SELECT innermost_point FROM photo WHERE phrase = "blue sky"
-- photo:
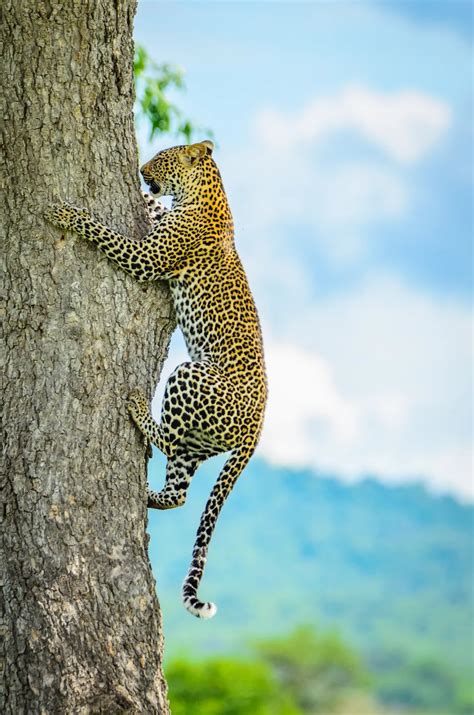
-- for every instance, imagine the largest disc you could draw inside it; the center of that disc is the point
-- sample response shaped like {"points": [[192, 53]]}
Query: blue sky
{"points": [[344, 137]]}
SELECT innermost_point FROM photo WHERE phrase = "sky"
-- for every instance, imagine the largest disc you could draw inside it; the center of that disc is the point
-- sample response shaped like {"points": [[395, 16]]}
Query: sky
{"points": [[343, 133]]}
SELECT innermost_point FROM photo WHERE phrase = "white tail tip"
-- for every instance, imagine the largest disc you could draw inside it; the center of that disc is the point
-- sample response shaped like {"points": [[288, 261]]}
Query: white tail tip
{"points": [[203, 610]]}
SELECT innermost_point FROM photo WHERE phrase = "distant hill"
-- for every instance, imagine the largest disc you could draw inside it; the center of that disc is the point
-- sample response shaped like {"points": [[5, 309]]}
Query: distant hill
{"points": [[389, 567]]}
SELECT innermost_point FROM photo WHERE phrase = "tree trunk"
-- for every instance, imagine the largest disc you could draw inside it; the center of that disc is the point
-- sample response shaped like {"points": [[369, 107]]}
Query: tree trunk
{"points": [[82, 628]]}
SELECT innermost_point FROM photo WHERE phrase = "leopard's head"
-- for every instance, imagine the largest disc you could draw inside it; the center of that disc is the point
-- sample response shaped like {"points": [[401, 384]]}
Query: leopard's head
{"points": [[175, 171]]}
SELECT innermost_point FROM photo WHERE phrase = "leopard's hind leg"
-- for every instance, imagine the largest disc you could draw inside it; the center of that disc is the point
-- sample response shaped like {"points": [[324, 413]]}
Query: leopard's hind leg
{"points": [[181, 463], [180, 469], [190, 429]]}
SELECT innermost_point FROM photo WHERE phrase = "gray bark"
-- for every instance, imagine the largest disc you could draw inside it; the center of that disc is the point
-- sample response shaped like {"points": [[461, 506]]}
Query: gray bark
{"points": [[81, 622]]}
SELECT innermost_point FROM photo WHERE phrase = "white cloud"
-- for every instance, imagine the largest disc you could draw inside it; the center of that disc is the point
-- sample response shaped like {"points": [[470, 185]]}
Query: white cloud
{"points": [[336, 201], [375, 381], [288, 174], [353, 192], [303, 401], [405, 125]]}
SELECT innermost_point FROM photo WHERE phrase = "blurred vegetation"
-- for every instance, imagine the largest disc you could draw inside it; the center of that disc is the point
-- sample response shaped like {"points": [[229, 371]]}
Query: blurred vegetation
{"points": [[301, 673], [311, 672], [225, 686], [318, 669], [422, 684], [153, 85]]}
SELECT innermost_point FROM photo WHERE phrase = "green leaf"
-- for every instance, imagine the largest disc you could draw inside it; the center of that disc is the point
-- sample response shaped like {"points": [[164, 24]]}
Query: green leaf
{"points": [[152, 83]]}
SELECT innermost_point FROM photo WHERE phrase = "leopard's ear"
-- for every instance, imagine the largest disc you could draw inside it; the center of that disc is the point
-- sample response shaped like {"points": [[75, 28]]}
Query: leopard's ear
{"points": [[209, 146], [194, 152]]}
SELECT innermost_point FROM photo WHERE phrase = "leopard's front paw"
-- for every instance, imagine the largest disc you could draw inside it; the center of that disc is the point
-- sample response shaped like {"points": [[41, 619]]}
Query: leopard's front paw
{"points": [[59, 215], [155, 209], [62, 214], [137, 406]]}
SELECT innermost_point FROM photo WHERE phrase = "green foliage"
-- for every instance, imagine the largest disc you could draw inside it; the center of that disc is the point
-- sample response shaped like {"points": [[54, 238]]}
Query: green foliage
{"points": [[465, 697], [225, 686], [303, 672], [153, 83], [309, 672], [423, 683], [318, 670]]}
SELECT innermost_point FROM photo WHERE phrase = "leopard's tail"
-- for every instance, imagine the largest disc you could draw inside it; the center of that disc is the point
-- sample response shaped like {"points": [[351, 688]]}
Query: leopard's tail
{"points": [[221, 490]]}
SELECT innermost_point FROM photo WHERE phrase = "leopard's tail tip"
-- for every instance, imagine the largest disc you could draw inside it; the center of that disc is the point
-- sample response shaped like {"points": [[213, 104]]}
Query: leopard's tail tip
{"points": [[199, 608]]}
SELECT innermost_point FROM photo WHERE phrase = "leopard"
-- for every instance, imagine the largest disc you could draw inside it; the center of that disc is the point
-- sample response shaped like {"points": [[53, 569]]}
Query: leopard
{"points": [[215, 402]]}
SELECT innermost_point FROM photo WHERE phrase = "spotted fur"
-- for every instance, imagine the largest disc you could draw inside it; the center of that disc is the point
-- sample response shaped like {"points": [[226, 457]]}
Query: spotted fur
{"points": [[215, 402]]}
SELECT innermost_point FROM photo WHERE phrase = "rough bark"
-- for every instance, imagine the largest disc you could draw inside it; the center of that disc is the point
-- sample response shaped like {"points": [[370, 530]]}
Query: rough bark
{"points": [[82, 628]]}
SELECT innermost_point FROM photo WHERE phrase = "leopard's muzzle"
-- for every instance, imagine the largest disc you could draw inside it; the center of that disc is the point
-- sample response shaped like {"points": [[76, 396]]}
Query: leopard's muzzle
{"points": [[154, 186]]}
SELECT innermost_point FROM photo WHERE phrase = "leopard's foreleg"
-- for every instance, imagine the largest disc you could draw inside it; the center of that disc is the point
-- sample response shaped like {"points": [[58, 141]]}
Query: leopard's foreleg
{"points": [[159, 255], [134, 257]]}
